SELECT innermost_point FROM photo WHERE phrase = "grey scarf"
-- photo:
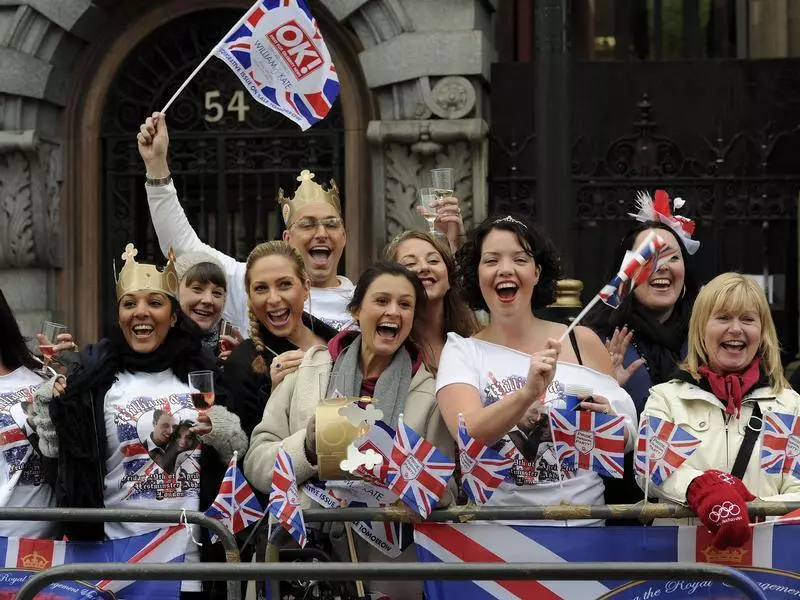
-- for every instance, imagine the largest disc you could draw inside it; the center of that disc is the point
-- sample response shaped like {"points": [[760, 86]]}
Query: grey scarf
{"points": [[391, 389]]}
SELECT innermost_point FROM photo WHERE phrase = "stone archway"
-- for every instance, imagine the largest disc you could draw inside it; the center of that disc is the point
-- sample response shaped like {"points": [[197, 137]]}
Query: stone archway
{"points": [[82, 199]]}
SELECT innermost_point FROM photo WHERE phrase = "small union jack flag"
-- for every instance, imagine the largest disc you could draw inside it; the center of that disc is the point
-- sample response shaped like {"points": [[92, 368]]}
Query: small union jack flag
{"points": [[780, 444], [637, 266], [589, 441], [235, 504], [418, 473], [279, 55], [482, 469], [669, 446], [284, 501]]}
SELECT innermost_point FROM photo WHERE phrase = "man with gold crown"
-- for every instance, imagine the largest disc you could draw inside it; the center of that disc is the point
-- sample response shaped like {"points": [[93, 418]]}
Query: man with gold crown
{"points": [[314, 227]]}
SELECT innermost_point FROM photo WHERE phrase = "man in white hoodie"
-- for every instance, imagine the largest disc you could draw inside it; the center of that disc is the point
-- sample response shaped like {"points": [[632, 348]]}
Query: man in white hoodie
{"points": [[314, 227]]}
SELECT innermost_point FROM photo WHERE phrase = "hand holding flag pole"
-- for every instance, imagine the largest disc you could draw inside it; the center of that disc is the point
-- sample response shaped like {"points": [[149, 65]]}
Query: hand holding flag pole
{"points": [[637, 266]]}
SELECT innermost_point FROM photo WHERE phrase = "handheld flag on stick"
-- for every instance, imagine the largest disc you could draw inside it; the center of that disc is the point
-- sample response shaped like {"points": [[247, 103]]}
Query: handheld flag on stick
{"points": [[418, 473], [284, 500], [235, 503], [278, 53], [590, 441], [663, 450], [482, 469], [780, 444], [637, 266]]}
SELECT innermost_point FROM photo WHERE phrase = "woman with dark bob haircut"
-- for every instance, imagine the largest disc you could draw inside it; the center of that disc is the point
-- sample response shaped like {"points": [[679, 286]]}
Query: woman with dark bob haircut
{"points": [[503, 380]]}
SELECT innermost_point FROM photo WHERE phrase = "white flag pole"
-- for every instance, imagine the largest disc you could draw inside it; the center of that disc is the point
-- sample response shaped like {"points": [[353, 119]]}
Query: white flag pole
{"points": [[208, 57], [646, 459], [233, 495], [576, 321]]}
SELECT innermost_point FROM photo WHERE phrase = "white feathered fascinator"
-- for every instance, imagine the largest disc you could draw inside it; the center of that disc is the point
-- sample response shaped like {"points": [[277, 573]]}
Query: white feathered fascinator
{"points": [[659, 210]]}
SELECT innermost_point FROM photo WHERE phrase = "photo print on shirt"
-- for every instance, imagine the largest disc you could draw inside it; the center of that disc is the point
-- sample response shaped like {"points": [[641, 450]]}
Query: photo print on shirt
{"points": [[161, 453], [18, 439]]}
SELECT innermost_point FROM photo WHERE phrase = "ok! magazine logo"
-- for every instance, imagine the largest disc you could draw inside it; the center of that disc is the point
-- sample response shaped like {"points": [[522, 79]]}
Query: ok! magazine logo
{"points": [[296, 48]]}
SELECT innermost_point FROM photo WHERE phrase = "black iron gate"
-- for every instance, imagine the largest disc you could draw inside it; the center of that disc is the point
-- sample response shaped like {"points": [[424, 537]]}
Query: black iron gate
{"points": [[722, 135], [228, 154]]}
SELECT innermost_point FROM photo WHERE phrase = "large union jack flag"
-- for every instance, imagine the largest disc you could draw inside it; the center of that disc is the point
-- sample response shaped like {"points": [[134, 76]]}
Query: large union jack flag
{"points": [[278, 53], [284, 501], [637, 266], [669, 446], [482, 469], [780, 444], [418, 473], [235, 504], [589, 441]]}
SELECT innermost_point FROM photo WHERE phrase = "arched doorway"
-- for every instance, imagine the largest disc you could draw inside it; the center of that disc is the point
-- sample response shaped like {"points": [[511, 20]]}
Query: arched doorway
{"points": [[229, 154]]}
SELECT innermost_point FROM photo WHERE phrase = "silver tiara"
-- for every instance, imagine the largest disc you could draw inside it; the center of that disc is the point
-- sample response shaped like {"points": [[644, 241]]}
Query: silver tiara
{"points": [[510, 219]]}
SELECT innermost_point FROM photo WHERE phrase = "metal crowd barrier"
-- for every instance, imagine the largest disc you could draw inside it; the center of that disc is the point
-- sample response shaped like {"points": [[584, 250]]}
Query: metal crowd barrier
{"points": [[398, 572]]}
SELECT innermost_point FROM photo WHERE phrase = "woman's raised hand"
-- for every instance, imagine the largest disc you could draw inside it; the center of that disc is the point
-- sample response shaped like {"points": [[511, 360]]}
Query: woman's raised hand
{"points": [[153, 141], [617, 346], [542, 370], [283, 364]]}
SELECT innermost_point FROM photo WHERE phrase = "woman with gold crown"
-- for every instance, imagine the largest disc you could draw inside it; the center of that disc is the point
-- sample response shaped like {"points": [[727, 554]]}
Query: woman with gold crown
{"points": [[116, 425]]}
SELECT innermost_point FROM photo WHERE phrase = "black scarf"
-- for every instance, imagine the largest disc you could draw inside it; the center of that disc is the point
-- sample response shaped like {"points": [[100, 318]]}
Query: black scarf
{"points": [[662, 342]]}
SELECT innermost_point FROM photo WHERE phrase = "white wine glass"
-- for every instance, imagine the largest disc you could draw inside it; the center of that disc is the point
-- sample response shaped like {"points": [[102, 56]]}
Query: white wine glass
{"points": [[427, 202]]}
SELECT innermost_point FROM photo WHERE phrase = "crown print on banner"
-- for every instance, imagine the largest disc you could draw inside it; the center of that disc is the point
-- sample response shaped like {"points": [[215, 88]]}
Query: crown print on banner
{"points": [[308, 192], [135, 277]]}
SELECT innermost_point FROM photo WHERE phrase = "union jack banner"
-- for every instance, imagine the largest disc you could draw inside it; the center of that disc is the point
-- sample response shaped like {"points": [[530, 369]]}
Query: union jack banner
{"points": [[636, 268], [780, 444], [482, 469], [284, 501], [235, 504], [279, 55], [590, 441], [669, 446], [418, 472]]}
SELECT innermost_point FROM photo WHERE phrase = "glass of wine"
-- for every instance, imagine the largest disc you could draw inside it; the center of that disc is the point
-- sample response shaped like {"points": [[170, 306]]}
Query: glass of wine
{"points": [[50, 332], [228, 329], [442, 182], [202, 383], [427, 198]]}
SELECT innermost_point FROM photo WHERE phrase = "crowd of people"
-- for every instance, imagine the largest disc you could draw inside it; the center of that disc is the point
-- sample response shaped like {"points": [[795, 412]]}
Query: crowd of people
{"points": [[444, 329]]}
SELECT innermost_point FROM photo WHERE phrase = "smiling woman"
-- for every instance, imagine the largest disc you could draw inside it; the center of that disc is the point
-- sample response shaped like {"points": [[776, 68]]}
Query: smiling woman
{"points": [[730, 387]]}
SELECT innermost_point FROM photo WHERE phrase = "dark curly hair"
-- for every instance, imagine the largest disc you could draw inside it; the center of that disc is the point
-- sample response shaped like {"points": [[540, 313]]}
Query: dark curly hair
{"points": [[535, 243]]}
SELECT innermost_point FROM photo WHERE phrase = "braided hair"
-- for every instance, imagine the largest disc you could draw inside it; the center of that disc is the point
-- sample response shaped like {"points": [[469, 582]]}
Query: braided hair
{"points": [[274, 248]]}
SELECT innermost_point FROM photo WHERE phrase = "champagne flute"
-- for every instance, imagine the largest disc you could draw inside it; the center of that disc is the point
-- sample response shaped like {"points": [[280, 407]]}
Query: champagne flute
{"points": [[50, 332], [442, 182], [228, 329], [203, 383], [427, 198]]}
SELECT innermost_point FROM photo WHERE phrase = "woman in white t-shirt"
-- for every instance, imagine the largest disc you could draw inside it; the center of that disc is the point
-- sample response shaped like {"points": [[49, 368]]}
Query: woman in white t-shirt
{"points": [[127, 433], [496, 378], [22, 474]]}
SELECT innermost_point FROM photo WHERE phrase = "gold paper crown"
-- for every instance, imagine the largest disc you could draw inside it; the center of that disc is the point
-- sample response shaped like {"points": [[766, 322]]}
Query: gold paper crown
{"points": [[135, 277], [308, 192], [34, 560]]}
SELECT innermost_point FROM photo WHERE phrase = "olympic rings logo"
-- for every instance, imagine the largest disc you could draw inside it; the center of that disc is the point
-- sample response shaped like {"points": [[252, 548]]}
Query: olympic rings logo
{"points": [[723, 511], [726, 478]]}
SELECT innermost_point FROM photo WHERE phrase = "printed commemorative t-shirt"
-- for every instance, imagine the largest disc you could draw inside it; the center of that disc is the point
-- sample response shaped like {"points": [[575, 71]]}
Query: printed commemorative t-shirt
{"points": [[329, 305], [22, 481], [496, 371], [153, 457]]}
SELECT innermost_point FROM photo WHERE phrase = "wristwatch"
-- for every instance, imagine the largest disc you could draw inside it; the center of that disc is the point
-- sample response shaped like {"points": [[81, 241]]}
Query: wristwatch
{"points": [[156, 181]]}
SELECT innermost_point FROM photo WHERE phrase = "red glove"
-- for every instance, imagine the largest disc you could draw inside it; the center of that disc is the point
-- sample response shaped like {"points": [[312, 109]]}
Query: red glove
{"points": [[720, 500]]}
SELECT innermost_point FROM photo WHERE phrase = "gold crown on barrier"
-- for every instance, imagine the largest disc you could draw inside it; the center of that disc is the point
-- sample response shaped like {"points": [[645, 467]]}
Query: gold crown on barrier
{"points": [[36, 561], [308, 192], [135, 277]]}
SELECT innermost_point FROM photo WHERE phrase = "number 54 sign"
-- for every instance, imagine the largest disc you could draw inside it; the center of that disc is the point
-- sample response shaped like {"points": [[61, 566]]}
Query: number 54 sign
{"points": [[215, 108]]}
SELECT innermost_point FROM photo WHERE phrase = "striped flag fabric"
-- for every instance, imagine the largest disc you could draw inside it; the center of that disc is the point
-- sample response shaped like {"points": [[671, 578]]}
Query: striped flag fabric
{"points": [[279, 55], [636, 268], [235, 504], [482, 469], [284, 501], [590, 441], [661, 448], [780, 444]]}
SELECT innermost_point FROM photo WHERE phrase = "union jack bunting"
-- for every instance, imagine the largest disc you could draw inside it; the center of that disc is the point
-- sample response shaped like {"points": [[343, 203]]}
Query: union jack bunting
{"points": [[590, 441], [669, 446], [482, 469], [284, 501], [279, 55], [235, 504], [780, 444], [418, 472], [634, 270]]}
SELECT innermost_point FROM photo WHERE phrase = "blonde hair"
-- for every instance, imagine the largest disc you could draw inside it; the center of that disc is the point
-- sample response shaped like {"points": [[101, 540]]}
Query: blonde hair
{"points": [[735, 294], [275, 248]]}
